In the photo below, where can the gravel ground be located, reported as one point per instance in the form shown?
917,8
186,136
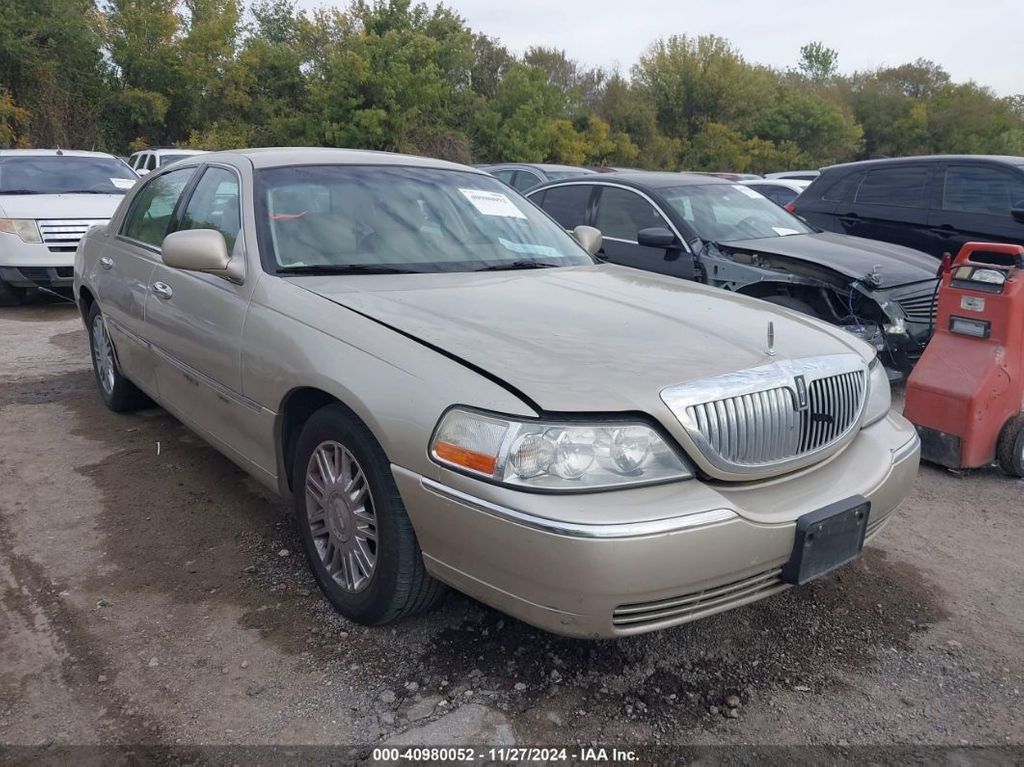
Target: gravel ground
151,593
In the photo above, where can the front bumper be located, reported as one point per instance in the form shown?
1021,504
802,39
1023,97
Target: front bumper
33,264
626,562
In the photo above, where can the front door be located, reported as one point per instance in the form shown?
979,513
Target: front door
621,214
195,321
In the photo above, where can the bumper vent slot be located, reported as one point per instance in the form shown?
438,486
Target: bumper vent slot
699,603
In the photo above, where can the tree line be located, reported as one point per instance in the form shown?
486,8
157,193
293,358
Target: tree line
399,76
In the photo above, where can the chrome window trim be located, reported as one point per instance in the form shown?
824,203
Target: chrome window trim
780,374
576,530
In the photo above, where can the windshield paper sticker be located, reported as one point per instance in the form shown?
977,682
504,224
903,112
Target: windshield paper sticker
747,191
783,231
492,203
122,183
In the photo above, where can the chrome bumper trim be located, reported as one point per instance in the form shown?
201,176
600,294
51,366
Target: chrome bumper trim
574,530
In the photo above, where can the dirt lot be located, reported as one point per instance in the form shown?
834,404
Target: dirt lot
153,594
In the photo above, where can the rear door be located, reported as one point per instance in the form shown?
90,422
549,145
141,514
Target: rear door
620,215
974,202
125,266
568,204
195,319
891,204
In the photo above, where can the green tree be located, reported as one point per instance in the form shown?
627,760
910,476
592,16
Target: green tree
817,62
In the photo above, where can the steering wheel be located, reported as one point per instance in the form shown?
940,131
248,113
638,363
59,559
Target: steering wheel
750,222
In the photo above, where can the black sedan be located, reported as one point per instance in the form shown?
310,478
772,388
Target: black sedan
727,235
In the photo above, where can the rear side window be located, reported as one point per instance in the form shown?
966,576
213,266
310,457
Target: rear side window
899,185
622,213
215,205
568,204
504,175
977,189
151,210
841,189
524,180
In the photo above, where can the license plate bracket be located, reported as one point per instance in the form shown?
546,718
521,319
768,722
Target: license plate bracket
826,539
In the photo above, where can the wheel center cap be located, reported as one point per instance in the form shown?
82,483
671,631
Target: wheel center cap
338,516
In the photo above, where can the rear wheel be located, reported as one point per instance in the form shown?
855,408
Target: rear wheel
792,303
119,394
1010,448
10,295
356,534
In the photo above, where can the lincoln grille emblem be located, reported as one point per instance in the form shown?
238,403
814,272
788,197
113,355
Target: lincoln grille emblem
801,393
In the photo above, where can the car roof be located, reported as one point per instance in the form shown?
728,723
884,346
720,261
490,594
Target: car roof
172,150
539,166
274,157
796,184
1005,159
53,153
647,179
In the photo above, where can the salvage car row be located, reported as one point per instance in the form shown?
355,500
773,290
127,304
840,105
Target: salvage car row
453,388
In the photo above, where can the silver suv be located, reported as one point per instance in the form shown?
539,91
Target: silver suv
48,199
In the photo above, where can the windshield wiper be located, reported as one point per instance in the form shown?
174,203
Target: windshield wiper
341,269
515,265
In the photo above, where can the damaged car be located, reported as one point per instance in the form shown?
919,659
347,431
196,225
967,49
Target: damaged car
729,236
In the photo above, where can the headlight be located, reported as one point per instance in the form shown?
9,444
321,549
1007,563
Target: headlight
555,455
879,394
25,228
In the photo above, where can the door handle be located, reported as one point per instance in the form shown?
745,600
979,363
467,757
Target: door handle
945,231
850,218
106,262
162,290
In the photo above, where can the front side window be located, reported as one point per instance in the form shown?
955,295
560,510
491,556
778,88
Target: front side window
67,174
977,189
347,218
568,204
215,205
151,211
504,175
899,185
731,212
622,213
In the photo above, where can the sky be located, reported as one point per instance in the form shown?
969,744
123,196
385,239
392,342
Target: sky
979,40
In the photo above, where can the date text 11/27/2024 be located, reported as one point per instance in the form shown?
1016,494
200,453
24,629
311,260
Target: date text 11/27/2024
502,754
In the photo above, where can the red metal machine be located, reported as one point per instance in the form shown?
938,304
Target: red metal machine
966,393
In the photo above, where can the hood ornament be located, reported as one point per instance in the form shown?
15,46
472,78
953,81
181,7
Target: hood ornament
770,350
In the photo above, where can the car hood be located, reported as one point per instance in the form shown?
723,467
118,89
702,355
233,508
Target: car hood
851,256
597,338
46,206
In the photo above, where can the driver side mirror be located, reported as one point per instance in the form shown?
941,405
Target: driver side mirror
196,250
589,237
656,237
1018,215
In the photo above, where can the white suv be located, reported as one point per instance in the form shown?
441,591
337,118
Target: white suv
48,199
157,157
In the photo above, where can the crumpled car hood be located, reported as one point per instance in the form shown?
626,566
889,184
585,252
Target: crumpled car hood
597,338
851,256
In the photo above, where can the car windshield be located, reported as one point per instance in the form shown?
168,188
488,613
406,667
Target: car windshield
55,174
383,218
730,212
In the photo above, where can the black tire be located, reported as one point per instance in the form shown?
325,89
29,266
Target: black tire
10,295
1010,448
118,393
399,585
793,303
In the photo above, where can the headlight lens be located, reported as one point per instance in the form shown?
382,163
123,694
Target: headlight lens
879,394
25,228
549,455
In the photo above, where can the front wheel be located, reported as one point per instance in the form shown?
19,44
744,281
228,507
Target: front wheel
119,394
1010,449
354,529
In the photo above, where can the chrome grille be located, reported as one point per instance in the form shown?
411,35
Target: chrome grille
62,235
774,418
921,305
